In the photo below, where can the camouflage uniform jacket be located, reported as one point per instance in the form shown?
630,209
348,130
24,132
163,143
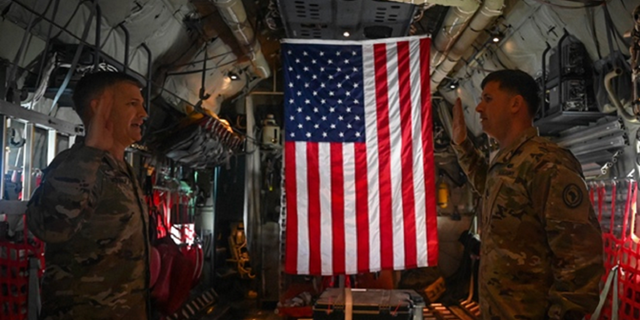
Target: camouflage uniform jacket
91,214
541,254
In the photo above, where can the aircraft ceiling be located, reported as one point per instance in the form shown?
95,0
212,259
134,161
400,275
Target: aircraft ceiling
232,37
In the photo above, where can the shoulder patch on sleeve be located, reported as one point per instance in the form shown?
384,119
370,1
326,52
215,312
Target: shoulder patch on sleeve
572,196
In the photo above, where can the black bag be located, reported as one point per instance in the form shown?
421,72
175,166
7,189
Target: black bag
621,84
198,142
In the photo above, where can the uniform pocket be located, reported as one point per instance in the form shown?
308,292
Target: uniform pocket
507,208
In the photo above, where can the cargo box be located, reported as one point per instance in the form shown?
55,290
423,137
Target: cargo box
368,304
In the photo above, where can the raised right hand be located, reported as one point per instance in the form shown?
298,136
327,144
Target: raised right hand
99,133
459,126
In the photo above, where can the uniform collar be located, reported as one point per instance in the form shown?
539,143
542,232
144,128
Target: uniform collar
114,163
505,155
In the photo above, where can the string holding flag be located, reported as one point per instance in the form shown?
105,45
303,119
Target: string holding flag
358,156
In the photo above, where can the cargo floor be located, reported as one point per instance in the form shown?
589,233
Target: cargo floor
225,305
248,310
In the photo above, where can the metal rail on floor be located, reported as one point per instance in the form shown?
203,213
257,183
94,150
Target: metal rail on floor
467,310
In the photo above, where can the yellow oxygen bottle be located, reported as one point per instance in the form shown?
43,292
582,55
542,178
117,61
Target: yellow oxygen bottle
443,194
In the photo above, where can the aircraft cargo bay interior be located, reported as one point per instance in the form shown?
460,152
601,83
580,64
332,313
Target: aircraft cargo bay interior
319,159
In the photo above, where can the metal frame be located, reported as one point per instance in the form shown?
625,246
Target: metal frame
27,159
52,145
3,144
32,119
96,45
40,119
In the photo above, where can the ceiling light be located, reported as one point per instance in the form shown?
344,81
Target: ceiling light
233,76
346,34
497,36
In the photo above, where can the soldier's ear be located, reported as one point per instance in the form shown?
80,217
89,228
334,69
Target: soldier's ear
517,104
91,110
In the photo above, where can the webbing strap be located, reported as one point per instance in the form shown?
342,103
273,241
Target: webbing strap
612,278
74,62
33,304
348,304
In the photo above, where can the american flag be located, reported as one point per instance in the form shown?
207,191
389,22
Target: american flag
359,169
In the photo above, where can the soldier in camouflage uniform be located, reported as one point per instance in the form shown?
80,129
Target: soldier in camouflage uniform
541,253
91,213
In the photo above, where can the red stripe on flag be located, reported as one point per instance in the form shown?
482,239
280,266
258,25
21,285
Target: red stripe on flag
313,182
291,263
337,208
427,145
408,192
362,206
384,155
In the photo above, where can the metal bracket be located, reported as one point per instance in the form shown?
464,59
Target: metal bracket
40,119
385,302
605,168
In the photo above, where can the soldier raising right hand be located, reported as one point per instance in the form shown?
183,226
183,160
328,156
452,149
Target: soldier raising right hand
541,254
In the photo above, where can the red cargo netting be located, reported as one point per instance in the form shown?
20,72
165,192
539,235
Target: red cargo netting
628,276
615,203
15,254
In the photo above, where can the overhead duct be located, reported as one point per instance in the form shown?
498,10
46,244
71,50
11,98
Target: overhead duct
485,15
235,16
453,24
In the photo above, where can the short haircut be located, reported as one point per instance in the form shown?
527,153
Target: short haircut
93,84
520,83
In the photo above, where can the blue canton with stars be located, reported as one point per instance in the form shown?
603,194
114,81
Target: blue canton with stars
324,94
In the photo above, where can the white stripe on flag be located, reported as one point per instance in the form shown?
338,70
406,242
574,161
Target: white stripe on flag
326,231
303,208
418,152
350,227
372,156
395,137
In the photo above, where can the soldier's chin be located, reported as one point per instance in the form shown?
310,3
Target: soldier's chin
135,138
136,133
